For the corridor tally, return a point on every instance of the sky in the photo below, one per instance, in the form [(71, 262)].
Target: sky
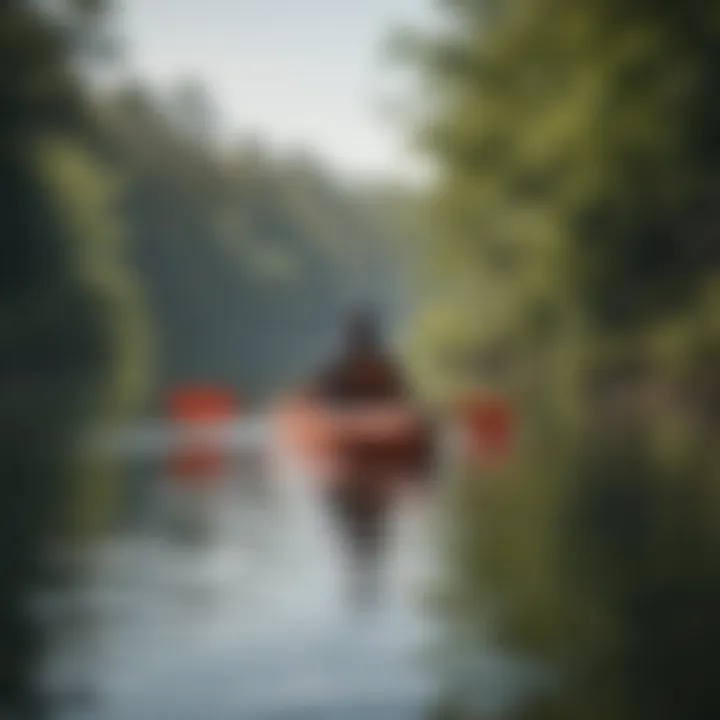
[(301, 74)]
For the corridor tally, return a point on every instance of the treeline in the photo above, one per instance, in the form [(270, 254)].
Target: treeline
[(576, 270), (68, 314), (249, 262)]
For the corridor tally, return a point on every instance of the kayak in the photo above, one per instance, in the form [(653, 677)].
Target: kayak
[(389, 439)]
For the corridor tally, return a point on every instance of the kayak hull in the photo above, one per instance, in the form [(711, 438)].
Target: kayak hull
[(379, 443)]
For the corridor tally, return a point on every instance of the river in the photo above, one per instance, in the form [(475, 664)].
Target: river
[(252, 623)]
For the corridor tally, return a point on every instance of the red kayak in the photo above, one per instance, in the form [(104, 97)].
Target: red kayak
[(390, 439)]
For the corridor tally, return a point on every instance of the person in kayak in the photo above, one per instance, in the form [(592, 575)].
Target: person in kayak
[(378, 442)]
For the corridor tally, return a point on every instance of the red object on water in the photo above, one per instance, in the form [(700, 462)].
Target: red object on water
[(195, 406), (201, 404), (388, 440), (489, 425)]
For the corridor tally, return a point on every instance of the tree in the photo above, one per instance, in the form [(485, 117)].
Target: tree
[(249, 260), (62, 293), (577, 238)]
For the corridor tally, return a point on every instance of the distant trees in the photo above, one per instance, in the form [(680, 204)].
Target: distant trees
[(577, 238), (249, 260)]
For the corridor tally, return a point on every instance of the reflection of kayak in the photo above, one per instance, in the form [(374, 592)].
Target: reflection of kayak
[(387, 438)]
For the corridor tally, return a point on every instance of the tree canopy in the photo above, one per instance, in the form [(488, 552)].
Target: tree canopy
[(576, 239)]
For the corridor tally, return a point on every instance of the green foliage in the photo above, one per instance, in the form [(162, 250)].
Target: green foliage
[(577, 151), (65, 308), (249, 261)]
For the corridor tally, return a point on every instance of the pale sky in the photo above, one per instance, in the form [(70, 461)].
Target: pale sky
[(301, 73)]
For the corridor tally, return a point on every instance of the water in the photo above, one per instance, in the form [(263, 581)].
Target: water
[(253, 623)]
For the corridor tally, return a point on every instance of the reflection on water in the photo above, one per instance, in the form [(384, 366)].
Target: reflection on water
[(248, 621)]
